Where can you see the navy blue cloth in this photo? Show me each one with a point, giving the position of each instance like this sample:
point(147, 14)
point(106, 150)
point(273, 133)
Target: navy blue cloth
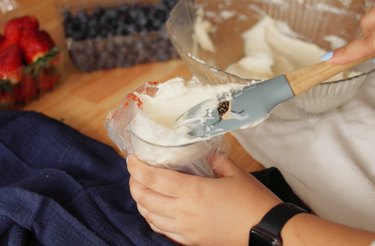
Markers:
point(60, 187)
point(273, 179)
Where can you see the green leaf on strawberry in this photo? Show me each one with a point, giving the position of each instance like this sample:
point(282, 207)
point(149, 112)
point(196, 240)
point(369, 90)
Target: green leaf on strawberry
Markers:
point(6, 85)
point(42, 62)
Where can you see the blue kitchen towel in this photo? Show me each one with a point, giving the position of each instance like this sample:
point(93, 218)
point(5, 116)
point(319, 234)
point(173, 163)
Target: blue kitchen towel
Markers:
point(60, 187)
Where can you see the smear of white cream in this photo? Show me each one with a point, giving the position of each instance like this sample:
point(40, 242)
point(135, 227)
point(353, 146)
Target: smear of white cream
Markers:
point(173, 98)
point(202, 30)
point(272, 48)
point(335, 41)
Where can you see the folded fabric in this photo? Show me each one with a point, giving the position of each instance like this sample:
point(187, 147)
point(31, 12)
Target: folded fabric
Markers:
point(328, 160)
point(59, 187)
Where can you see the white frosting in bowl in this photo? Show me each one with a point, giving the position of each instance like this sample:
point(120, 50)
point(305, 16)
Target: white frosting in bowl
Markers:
point(271, 48)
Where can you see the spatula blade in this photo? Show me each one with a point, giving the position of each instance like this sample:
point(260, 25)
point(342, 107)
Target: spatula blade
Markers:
point(245, 107)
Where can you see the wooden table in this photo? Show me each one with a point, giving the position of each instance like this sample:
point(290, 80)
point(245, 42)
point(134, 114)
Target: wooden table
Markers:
point(82, 100)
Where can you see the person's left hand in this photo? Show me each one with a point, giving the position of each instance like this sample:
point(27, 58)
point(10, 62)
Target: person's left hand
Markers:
point(194, 210)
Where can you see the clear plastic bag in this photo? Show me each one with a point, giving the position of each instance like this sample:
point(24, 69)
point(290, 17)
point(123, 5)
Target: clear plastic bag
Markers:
point(129, 127)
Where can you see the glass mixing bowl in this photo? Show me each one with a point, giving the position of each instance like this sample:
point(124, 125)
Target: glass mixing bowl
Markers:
point(328, 24)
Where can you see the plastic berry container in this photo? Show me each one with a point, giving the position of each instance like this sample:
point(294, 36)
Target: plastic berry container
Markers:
point(30, 60)
point(103, 35)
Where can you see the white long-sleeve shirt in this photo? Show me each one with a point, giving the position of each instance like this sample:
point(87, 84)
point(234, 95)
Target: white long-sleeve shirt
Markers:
point(329, 160)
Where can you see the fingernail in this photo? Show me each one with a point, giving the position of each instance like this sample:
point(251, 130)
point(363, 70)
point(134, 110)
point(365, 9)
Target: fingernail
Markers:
point(126, 159)
point(327, 56)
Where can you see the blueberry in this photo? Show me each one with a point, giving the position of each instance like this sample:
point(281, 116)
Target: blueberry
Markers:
point(103, 33)
point(142, 17)
point(161, 13)
point(82, 16)
point(93, 27)
point(133, 14)
point(112, 13)
point(78, 29)
point(67, 15)
point(169, 4)
point(122, 30)
point(124, 8)
point(97, 13)
point(67, 23)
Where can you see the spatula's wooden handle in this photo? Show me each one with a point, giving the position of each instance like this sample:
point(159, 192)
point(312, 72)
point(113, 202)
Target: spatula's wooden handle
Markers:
point(303, 79)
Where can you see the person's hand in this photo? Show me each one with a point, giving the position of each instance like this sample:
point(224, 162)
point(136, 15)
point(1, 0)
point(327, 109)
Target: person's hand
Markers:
point(194, 210)
point(360, 47)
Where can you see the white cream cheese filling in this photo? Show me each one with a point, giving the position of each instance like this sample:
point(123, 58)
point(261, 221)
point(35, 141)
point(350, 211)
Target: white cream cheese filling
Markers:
point(155, 123)
point(272, 48)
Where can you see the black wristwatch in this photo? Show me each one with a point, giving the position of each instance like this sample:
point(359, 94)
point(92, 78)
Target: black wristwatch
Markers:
point(267, 232)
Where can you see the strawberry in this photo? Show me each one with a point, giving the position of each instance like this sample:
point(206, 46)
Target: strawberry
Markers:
point(11, 39)
point(6, 99)
point(48, 78)
point(35, 45)
point(11, 64)
point(13, 29)
point(2, 40)
point(26, 90)
point(21, 23)
point(6, 95)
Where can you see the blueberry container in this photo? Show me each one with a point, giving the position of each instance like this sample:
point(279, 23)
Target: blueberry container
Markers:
point(103, 35)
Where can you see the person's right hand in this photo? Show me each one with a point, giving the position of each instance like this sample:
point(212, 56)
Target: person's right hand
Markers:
point(194, 210)
point(360, 47)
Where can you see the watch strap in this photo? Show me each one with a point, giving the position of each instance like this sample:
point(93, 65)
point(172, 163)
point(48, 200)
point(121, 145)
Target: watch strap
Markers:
point(273, 221)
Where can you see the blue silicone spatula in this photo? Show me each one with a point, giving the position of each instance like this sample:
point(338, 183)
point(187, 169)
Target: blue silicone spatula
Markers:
point(252, 104)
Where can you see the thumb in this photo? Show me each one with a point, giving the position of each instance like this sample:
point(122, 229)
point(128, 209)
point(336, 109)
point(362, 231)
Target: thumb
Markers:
point(357, 49)
point(222, 165)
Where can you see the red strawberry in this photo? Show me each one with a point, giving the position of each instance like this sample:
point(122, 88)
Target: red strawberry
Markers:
point(24, 22)
point(13, 29)
point(35, 44)
point(26, 90)
point(48, 78)
point(6, 96)
point(2, 40)
point(11, 39)
point(11, 64)
point(6, 99)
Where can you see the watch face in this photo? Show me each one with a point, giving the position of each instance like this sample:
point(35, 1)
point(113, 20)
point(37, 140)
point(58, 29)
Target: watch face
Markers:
point(262, 238)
